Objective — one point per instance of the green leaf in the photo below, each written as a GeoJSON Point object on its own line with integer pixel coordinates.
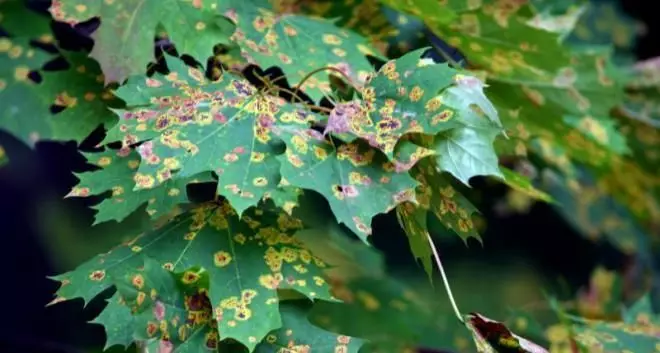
{"type": "Point", "coordinates": [433, 11]}
{"type": "Point", "coordinates": [468, 151]}
{"type": "Point", "coordinates": [298, 334]}
{"type": "Point", "coordinates": [190, 125]}
{"type": "Point", "coordinates": [637, 333]}
{"type": "Point", "coordinates": [21, 22]}
{"type": "Point", "coordinates": [382, 310]}
{"type": "Point", "coordinates": [413, 221]}
{"type": "Point", "coordinates": [410, 95]}
{"type": "Point", "coordinates": [119, 167]}
{"type": "Point", "coordinates": [123, 44]}
{"type": "Point", "coordinates": [522, 184]}
{"type": "Point", "coordinates": [118, 322]}
{"type": "Point", "coordinates": [79, 90]}
{"type": "Point", "coordinates": [437, 195]}
{"type": "Point", "coordinates": [23, 113]}
{"type": "Point", "coordinates": [171, 307]}
{"type": "Point", "coordinates": [357, 181]}
{"type": "Point", "coordinates": [299, 45]}
{"type": "Point", "coordinates": [247, 259]}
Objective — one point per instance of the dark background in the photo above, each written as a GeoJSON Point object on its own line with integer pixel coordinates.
{"type": "Point", "coordinates": [540, 239]}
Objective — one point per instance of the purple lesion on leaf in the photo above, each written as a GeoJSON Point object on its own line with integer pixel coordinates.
{"type": "Point", "coordinates": [340, 117]}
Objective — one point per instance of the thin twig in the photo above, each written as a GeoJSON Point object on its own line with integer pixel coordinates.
{"type": "Point", "coordinates": [325, 68]}
{"type": "Point", "coordinates": [436, 256]}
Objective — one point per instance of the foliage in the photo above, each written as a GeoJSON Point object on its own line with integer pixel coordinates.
{"type": "Point", "coordinates": [282, 106]}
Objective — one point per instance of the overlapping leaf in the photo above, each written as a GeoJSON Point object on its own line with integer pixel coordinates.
{"type": "Point", "coordinates": [170, 311]}
{"type": "Point", "coordinates": [118, 322]}
{"type": "Point", "coordinates": [23, 113]}
{"type": "Point", "coordinates": [535, 82]}
{"type": "Point", "coordinates": [437, 195]}
{"type": "Point", "coordinates": [357, 180]}
{"type": "Point", "coordinates": [123, 44]}
{"type": "Point", "coordinates": [119, 168]}
{"type": "Point", "coordinates": [299, 45]}
{"type": "Point", "coordinates": [413, 95]}
{"type": "Point", "coordinates": [18, 20]}
{"type": "Point", "coordinates": [522, 184]}
{"type": "Point", "coordinates": [80, 91]}
{"type": "Point", "coordinates": [191, 125]}
{"type": "Point", "coordinates": [246, 261]}
{"type": "Point", "coordinates": [298, 334]}
{"type": "Point", "coordinates": [638, 332]}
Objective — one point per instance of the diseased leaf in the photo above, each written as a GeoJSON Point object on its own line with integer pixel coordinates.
{"type": "Point", "coordinates": [357, 181]}
{"type": "Point", "coordinates": [410, 95]}
{"type": "Point", "coordinates": [298, 335]}
{"type": "Point", "coordinates": [118, 322]}
{"type": "Point", "coordinates": [413, 221]}
{"type": "Point", "coordinates": [117, 175]}
{"type": "Point", "coordinates": [382, 310]}
{"type": "Point", "coordinates": [171, 307]}
{"type": "Point", "coordinates": [191, 125]}
{"type": "Point", "coordinates": [494, 337]}
{"type": "Point", "coordinates": [437, 195]}
{"type": "Point", "coordinates": [638, 332]}
{"type": "Point", "coordinates": [22, 112]}
{"type": "Point", "coordinates": [247, 259]}
{"type": "Point", "coordinates": [299, 45]}
{"type": "Point", "coordinates": [123, 44]}
{"type": "Point", "coordinates": [80, 91]}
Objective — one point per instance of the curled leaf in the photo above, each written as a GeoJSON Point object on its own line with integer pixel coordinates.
{"type": "Point", "coordinates": [494, 337]}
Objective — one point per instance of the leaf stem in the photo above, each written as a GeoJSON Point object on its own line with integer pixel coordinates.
{"type": "Point", "coordinates": [325, 68]}
{"type": "Point", "coordinates": [438, 262]}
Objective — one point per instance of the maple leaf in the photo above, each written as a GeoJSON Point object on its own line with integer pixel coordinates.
{"type": "Point", "coordinates": [80, 91]}
{"type": "Point", "coordinates": [365, 17]}
{"type": "Point", "coordinates": [525, 81]}
{"type": "Point", "coordinates": [492, 337]}
{"type": "Point", "coordinates": [244, 259]}
{"type": "Point", "coordinates": [638, 332]}
{"type": "Point", "coordinates": [176, 314]}
{"type": "Point", "coordinates": [123, 44]}
{"type": "Point", "coordinates": [291, 42]}
{"type": "Point", "coordinates": [299, 335]}
{"type": "Point", "coordinates": [21, 22]}
{"type": "Point", "coordinates": [117, 321]}
{"type": "Point", "coordinates": [413, 221]}
{"type": "Point", "coordinates": [22, 112]}
{"type": "Point", "coordinates": [190, 125]}
{"type": "Point", "coordinates": [117, 175]}
{"type": "Point", "coordinates": [522, 184]}
{"type": "Point", "coordinates": [410, 95]}
{"type": "Point", "coordinates": [383, 310]}
{"type": "Point", "coordinates": [436, 195]}
{"type": "Point", "coordinates": [355, 179]}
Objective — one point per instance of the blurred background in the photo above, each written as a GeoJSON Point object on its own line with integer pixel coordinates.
{"type": "Point", "coordinates": [529, 249]}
